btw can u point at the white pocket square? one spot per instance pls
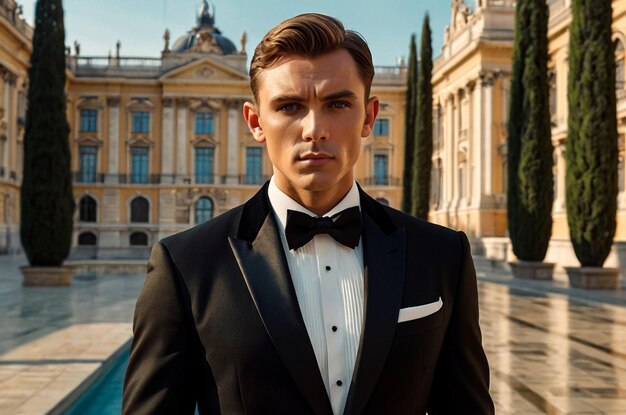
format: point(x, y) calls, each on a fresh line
point(412, 313)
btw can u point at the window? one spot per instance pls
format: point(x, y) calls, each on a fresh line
point(87, 239)
point(141, 122)
point(88, 209)
point(254, 165)
point(619, 69)
point(204, 122)
point(462, 176)
point(88, 121)
point(553, 93)
point(204, 209)
point(87, 164)
point(140, 210)
point(381, 175)
point(381, 127)
point(138, 239)
point(139, 164)
point(204, 164)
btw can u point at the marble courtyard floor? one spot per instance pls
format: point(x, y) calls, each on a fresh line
point(552, 349)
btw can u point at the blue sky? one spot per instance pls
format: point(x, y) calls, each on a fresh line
point(139, 24)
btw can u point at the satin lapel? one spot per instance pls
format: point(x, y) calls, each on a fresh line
point(384, 279)
point(264, 267)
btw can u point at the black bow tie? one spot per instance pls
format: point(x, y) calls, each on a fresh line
point(344, 227)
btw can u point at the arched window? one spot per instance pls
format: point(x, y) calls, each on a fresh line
point(140, 210)
point(87, 239)
point(138, 239)
point(88, 209)
point(204, 209)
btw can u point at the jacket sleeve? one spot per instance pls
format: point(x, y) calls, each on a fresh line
point(167, 368)
point(461, 382)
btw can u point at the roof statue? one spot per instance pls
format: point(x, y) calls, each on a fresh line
point(204, 37)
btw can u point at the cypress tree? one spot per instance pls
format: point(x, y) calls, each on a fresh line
point(591, 153)
point(423, 153)
point(409, 126)
point(47, 204)
point(530, 186)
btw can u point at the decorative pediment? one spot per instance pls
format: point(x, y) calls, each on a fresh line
point(205, 69)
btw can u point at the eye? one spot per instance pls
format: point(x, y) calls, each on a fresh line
point(289, 107)
point(340, 104)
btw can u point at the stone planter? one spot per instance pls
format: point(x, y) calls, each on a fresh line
point(47, 276)
point(532, 270)
point(593, 277)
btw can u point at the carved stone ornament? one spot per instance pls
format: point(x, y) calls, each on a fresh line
point(205, 42)
point(205, 72)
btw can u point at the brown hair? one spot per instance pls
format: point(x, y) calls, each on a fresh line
point(310, 35)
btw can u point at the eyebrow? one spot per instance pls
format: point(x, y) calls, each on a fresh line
point(279, 99)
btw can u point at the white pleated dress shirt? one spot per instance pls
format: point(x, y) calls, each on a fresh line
point(328, 280)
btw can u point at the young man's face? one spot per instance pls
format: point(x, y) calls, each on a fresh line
point(312, 116)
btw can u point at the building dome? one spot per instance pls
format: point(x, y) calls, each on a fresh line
point(205, 37)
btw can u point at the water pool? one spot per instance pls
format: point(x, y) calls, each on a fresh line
point(104, 397)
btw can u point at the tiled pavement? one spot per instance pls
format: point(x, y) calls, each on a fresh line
point(552, 349)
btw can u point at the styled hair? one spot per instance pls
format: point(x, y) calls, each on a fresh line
point(310, 35)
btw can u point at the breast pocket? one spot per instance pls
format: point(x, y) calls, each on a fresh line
point(420, 325)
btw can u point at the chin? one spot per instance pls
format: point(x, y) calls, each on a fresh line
point(316, 182)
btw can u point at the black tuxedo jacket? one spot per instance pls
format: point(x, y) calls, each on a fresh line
point(218, 323)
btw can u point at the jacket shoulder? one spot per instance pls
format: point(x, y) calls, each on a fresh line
point(413, 224)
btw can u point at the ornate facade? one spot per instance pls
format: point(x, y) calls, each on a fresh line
point(471, 81)
point(160, 144)
point(15, 50)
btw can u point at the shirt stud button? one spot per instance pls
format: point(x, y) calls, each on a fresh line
point(327, 268)
point(334, 328)
point(339, 383)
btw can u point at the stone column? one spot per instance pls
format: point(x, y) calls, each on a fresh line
point(7, 112)
point(456, 190)
point(181, 141)
point(448, 151)
point(559, 203)
point(487, 81)
point(471, 160)
point(167, 142)
point(232, 164)
point(114, 138)
point(9, 117)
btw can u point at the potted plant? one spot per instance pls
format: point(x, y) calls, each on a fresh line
point(530, 188)
point(591, 153)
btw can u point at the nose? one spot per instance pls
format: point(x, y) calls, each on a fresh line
point(314, 127)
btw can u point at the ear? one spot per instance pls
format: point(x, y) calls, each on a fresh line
point(251, 115)
point(371, 111)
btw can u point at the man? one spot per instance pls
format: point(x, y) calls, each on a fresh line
point(269, 310)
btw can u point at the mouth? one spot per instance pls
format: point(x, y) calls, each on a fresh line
point(314, 156)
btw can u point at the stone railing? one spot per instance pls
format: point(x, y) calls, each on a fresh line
point(390, 72)
point(125, 63)
point(501, 3)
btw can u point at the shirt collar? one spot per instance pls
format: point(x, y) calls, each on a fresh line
point(281, 203)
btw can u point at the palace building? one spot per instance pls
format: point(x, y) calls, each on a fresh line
point(471, 80)
point(159, 144)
